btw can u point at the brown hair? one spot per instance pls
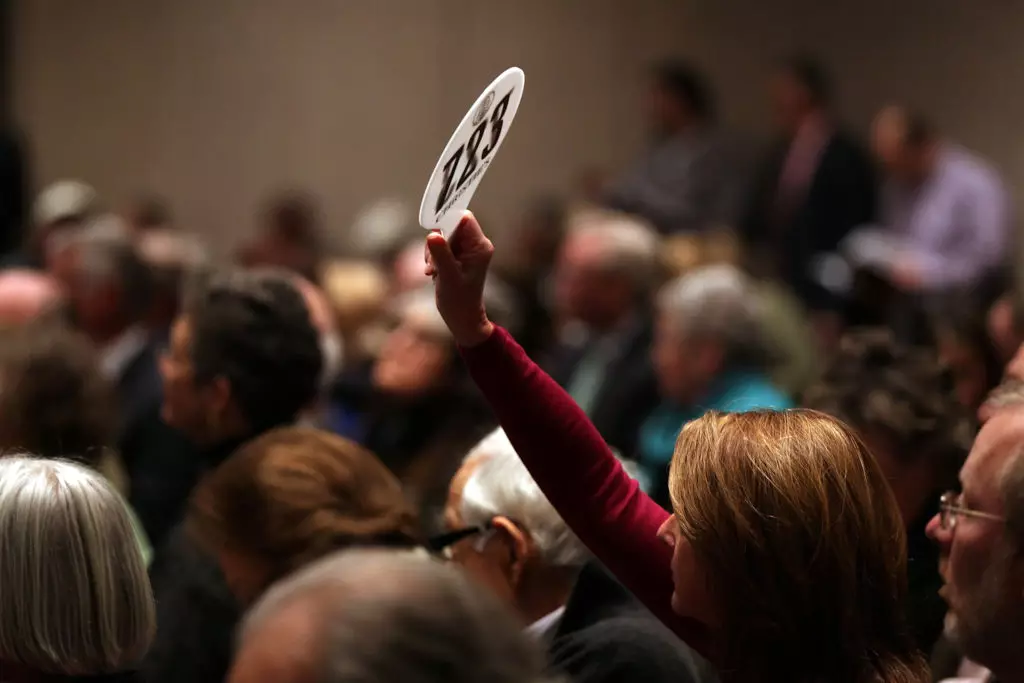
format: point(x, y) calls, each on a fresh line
point(55, 403)
point(296, 494)
point(804, 546)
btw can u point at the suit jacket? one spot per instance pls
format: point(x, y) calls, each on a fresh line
point(606, 636)
point(628, 393)
point(841, 196)
point(162, 465)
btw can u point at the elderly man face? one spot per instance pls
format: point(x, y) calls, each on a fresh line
point(981, 560)
point(25, 295)
point(586, 288)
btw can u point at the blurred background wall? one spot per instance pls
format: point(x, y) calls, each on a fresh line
point(216, 103)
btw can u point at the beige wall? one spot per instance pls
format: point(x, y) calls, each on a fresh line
point(216, 103)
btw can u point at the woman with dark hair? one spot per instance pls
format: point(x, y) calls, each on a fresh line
point(784, 555)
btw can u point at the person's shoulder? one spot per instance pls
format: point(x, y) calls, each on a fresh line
point(755, 392)
point(633, 645)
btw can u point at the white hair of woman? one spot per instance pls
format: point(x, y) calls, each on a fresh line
point(719, 303)
point(75, 599)
point(500, 485)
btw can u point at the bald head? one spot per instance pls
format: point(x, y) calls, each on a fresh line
point(25, 295)
point(365, 616)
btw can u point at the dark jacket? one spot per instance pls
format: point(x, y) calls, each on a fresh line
point(629, 392)
point(840, 197)
point(162, 464)
point(196, 612)
point(606, 636)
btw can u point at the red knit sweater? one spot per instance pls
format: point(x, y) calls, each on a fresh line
point(578, 473)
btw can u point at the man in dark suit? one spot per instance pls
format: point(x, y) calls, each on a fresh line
point(108, 290)
point(816, 184)
point(606, 270)
point(506, 535)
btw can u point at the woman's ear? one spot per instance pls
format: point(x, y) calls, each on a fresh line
point(520, 546)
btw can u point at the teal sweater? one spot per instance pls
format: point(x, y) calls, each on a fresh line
point(733, 392)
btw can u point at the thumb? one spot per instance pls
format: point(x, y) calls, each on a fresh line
point(441, 254)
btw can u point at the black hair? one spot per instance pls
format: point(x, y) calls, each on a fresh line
point(253, 328)
point(687, 85)
point(812, 76)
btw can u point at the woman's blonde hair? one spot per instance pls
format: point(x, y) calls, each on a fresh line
point(74, 595)
point(803, 544)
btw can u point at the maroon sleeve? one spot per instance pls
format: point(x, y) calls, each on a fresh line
point(576, 470)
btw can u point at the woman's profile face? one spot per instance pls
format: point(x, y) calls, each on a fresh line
point(411, 362)
point(691, 596)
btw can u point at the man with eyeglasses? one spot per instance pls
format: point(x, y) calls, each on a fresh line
point(506, 535)
point(980, 532)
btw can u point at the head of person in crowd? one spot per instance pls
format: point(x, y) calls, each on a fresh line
point(288, 238)
point(801, 90)
point(357, 291)
point(902, 403)
point(708, 325)
point(607, 269)
point(244, 357)
point(510, 537)
point(54, 401)
point(292, 496)
point(26, 295)
point(146, 213)
point(1005, 325)
point(76, 600)
point(60, 208)
point(364, 616)
point(407, 269)
point(906, 144)
point(680, 98)
point(172, 256)
point(107, 284)
point(418, 356)
point(538, 237)
point(980, 533)
point(966, 348)
point(789, 548)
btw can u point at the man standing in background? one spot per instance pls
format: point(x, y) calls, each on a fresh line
point(683, 183)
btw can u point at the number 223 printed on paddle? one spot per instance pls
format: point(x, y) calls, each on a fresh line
point(470, 151)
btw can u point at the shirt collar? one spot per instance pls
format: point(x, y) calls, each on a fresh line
point(118, 354)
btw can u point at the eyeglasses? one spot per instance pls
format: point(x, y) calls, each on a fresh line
point(442, 543)
point(950, 510)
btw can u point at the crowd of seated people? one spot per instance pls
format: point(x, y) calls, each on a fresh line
point(683, 429)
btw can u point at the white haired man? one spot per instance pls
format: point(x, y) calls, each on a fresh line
point(507, 536)
point(370, 615)
point(979, 532)
point(606, 271)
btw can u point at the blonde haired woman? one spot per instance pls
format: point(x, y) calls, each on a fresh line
point(784, 556)
point(75, 601)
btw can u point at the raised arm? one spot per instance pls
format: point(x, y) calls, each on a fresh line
point(557, 442)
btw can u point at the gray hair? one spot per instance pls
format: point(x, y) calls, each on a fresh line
point(74, 595)
point(718, 302)
point(501, 485)
point(419, 305)
point(630, 246)
point(385, 615)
